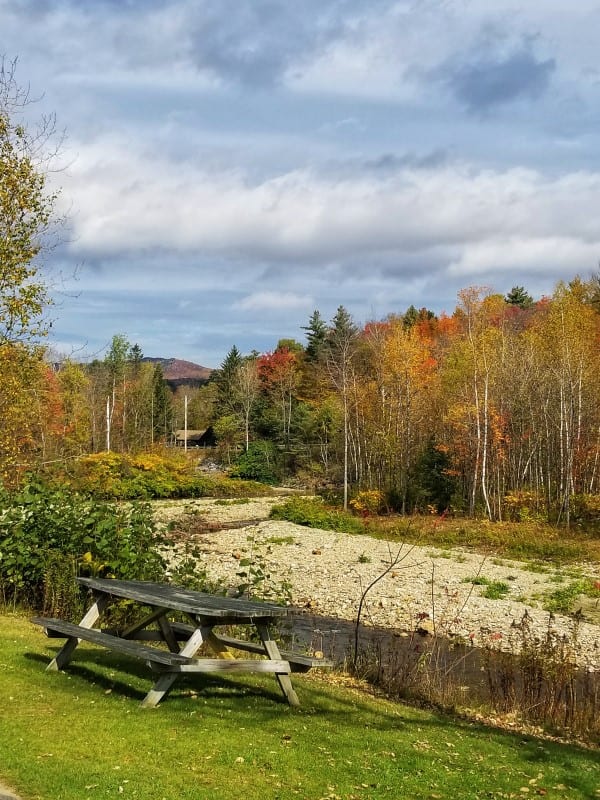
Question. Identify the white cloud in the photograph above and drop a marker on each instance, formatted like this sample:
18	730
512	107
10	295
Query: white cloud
561	256
133	203
273	301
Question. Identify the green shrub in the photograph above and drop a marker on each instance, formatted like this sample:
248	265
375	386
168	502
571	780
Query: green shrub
312	513
494	590
46	533
562	599
260	462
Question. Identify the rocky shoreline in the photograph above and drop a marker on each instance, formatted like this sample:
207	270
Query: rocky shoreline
328	572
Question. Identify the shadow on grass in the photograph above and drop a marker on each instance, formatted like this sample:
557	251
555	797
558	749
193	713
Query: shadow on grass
99	668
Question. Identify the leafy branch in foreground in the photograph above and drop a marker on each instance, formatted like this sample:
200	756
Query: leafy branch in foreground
27	211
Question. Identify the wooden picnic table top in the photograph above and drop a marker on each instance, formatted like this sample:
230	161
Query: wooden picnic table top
166	595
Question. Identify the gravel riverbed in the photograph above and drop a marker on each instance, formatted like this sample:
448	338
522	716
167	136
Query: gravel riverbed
327	573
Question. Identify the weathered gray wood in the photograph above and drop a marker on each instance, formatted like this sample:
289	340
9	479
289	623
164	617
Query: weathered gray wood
166	681
273	652
126	646
204	610
186	600
230	665
132	631
299	661
92	615
168	635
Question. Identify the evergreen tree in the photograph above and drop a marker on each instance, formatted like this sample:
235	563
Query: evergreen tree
162	408
519	297
316	336
226	376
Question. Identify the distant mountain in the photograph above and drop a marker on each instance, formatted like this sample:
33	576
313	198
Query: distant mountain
181	373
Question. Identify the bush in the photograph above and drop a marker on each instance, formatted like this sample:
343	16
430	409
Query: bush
49	536
259	462
118	476
585	508
524	505
312	513
368	502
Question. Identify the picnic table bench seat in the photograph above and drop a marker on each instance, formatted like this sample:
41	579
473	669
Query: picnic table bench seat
157	658
299	662
62	629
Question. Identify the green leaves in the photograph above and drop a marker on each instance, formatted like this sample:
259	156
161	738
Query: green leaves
38	525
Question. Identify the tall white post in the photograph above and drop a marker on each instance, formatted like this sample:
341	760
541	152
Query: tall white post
185	429
108	424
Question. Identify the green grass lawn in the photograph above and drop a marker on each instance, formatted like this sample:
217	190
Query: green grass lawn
82	734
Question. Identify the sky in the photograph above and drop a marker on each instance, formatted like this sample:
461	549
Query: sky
229	166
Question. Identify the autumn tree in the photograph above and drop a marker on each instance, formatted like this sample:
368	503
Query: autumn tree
27	212
279	375
245	388
27	222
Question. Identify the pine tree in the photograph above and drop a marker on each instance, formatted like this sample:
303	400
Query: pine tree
519	297
316	336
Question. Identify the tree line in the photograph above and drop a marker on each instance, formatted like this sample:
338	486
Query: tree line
492	409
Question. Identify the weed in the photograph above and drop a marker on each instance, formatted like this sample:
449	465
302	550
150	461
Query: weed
537	677
312	513
494	590
440	554
280	540
563	599
255	580
364	559
536	566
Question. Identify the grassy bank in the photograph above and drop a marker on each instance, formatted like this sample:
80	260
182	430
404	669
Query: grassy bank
525	541
82	734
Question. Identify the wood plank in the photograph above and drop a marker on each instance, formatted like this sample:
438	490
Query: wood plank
126	646
186	600
163	685
92	615
230	665
301	661
272	650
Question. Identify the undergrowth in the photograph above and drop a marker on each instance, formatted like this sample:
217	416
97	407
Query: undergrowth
313	513
147	476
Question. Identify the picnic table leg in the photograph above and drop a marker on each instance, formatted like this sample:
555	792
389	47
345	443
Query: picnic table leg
167	679
272	650
217	646
65	654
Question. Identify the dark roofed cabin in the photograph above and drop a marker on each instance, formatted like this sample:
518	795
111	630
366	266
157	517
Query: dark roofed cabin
205	438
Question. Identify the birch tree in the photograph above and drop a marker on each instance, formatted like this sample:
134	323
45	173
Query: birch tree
340	353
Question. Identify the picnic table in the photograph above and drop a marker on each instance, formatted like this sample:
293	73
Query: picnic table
160	602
